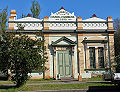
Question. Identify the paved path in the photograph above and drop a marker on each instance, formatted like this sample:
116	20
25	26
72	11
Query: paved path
62	82
69	90
68	82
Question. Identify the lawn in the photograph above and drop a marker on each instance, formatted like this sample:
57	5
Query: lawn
50	80
93	79
54	87
51	86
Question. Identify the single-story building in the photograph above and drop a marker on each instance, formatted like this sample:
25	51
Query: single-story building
75	47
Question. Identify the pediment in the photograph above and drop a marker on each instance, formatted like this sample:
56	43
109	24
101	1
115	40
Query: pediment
62	15
64	41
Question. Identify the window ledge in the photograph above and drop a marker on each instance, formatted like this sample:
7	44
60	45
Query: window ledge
100	69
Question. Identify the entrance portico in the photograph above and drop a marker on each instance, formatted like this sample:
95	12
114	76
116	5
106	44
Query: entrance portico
63	50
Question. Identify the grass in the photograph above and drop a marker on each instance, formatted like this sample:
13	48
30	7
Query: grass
42	80
54	87
94	79
32	81
5	82
51	80
51	86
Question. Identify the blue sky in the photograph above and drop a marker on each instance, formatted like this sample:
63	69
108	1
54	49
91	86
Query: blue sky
83	8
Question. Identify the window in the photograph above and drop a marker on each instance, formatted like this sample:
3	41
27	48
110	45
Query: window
101	57
92	57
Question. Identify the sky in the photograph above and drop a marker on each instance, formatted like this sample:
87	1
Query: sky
83	8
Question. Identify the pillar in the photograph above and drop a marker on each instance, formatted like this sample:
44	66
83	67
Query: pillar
45	24
79	23
47	64
81	56
110	22
12	18
111	43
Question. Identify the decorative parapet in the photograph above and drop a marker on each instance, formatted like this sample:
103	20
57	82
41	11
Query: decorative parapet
94	23
61	20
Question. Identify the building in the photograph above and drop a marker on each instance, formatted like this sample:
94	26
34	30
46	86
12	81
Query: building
75	47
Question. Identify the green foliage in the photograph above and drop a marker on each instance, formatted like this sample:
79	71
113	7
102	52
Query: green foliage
117	43
4	42
26	55
117	59
35	9
23	16
21	55
117	36
3	20
4	53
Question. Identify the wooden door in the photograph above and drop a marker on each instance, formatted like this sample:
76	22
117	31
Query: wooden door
64	64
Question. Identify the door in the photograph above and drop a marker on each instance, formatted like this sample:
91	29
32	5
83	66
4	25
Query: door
64	64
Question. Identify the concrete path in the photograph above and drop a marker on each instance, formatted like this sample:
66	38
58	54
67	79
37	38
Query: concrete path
69	90
62	82
68	82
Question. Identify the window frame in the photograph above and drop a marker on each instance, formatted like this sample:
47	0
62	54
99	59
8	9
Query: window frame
101	64
92	63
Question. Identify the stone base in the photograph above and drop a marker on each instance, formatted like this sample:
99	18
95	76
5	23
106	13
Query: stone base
86	75
36	78
46	77
79	78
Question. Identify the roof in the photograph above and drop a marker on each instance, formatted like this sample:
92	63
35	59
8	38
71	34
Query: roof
94	18
26	19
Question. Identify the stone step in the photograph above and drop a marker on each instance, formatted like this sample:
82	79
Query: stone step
67	79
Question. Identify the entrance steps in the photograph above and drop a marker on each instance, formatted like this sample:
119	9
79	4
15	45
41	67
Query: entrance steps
67	79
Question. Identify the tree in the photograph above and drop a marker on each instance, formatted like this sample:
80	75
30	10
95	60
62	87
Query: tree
3	20
117	36
26	55
4	43
35	9
117	43
117	59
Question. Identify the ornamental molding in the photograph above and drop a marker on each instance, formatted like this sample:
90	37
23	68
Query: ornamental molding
62	15
64	41
61	20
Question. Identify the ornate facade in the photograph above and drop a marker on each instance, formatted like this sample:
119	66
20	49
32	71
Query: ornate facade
75	47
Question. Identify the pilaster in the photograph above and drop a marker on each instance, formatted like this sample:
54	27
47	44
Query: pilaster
79	23
47	64
111	48
45	24
12	18
87	59
81	55
97	63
